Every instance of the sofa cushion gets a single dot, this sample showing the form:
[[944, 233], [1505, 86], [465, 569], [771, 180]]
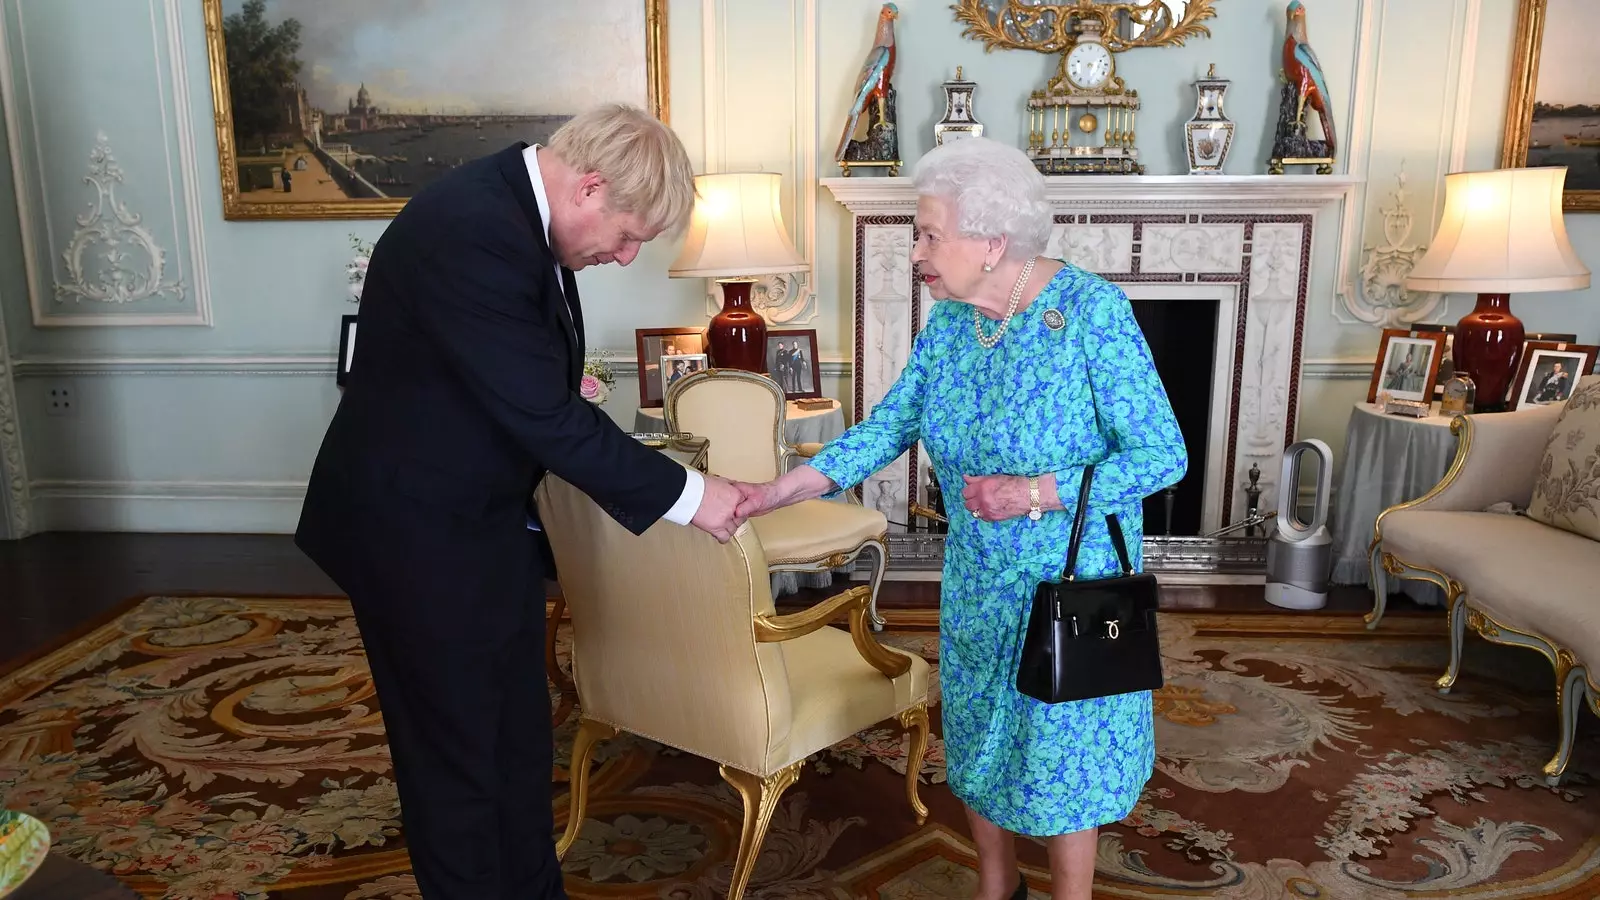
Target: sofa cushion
[[1525, 575], [1566, 494]]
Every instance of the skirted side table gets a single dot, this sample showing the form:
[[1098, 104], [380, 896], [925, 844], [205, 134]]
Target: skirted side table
[[1388, 459]]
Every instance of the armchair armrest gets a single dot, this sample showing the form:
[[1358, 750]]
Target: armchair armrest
[[775, 628], [1497, 461]]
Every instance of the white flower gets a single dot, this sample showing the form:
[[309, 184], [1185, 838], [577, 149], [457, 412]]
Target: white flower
[[355, 292]]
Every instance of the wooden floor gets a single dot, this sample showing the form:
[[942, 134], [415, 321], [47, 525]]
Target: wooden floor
[[53, 586]]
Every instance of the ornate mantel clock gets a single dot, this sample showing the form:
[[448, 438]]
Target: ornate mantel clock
[[1083, 120]]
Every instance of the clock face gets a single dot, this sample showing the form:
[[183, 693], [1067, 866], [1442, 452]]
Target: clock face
[[1089, 65]]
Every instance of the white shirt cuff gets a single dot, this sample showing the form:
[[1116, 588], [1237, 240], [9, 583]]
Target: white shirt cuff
[[694, 488]]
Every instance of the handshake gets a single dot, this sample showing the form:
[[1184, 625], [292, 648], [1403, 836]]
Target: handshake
[[726, 505]]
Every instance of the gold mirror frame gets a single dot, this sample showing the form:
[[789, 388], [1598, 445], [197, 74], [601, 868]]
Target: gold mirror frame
[[235, 208], [990, 27], [1519, 104]]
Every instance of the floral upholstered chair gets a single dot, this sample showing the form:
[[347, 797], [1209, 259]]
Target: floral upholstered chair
[[742, 414], [675, 639]]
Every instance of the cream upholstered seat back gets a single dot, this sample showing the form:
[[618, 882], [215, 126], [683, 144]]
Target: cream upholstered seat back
[[740, 412], [664, 644]]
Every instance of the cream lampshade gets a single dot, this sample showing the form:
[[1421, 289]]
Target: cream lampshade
[[1502, 231], [735, 234]]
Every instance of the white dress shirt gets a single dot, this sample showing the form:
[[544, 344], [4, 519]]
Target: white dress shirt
[[694, 486]]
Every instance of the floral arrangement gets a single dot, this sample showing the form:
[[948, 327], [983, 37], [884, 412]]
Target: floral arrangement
[[357, 269], [598, 379]]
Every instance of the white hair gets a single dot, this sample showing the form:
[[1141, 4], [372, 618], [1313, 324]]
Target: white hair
[[995, 190]]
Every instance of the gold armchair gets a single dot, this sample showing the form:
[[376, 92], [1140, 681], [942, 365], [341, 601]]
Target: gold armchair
[[742, 413], [675, 639]]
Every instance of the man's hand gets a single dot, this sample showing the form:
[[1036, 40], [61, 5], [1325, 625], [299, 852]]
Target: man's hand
[[996, 498], [719, 515], [758, 499]]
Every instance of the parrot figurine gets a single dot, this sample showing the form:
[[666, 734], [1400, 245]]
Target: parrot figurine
[[1301, 68], [872, 85]]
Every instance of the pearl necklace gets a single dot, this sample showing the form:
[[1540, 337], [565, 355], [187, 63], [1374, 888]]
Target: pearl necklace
[[1011, 309]]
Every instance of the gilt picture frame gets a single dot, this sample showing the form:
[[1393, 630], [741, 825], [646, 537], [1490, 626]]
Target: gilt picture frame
[[369, 122], [1549, 120]]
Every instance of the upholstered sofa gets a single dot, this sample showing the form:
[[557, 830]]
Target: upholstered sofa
[[1511, 533]]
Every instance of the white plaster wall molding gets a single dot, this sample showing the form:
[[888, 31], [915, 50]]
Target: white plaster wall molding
[[1367, 292], [114, 269], [14, 499], [785, 299], [1241, 242], [1383, 300], [112, 258]]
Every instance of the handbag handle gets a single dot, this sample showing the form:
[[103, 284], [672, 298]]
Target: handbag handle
[[1077, 522], [1113, 525]]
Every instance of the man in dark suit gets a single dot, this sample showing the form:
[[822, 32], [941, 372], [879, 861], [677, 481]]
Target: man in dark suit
[[462, 394]]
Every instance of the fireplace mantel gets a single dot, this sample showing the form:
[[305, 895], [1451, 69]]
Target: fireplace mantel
[[1241, 241], [1280, 193]]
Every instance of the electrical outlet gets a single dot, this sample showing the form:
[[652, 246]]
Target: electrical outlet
[[61, 399]]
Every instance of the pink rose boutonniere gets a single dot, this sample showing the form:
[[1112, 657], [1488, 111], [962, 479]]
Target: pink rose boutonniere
[[598, 378]]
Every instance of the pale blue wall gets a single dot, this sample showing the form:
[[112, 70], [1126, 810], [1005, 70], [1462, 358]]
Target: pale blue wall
[[213, 427]]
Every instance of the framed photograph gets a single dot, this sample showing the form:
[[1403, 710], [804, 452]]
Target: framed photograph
[[1407, 365], [1549, 371], [344, 110], [658, 346], [792, 362], [676, 365], [347, 349], [1553, 111]]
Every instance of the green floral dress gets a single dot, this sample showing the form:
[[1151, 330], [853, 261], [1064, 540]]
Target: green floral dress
[[1044, 399]]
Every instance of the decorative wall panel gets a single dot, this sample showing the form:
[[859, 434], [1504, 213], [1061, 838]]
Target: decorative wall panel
[[108, 195]]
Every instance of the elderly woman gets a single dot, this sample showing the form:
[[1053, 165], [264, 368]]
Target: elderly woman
[[1028, 371]]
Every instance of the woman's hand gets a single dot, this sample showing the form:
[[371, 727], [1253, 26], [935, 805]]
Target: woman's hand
[[799, 483], [996, 498]]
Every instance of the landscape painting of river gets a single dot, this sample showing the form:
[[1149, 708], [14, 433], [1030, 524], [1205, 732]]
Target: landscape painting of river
[[345, 109], [1553, 117]]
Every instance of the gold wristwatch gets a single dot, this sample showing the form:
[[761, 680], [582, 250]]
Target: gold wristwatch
[[1034, 510]]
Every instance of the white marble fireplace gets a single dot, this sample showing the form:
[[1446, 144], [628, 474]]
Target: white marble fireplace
[[1242, 242]]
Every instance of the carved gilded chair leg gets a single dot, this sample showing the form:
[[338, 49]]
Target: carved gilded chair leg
[[915, 720], [880, 557], [590, 733], [1570, 691], [760, 796], [1457, 617], [1379, 563]]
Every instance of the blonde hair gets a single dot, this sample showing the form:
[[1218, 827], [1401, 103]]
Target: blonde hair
[[644, 164]]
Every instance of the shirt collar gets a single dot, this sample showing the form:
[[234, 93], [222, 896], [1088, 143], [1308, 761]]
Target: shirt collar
[[530, 155]]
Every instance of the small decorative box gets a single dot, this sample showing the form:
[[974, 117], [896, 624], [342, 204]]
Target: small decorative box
[[1415, 408]]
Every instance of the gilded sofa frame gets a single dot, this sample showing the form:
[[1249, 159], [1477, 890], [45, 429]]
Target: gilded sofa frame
[[1573, 680]]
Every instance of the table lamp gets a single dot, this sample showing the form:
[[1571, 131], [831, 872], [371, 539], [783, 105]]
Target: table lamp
[[1502, 232], [735, 234]]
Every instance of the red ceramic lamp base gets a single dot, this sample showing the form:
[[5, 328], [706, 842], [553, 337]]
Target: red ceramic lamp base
[[1487, 343], [738, 334]]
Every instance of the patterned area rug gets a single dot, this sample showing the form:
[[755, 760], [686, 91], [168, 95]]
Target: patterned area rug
[[204, 747]]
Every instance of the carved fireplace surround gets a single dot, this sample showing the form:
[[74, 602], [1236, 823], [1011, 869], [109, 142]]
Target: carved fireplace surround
[[1244, 242]]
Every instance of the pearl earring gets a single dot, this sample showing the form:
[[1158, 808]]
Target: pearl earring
[[988, 268]]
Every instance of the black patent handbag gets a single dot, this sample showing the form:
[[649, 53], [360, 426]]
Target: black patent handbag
[[1091, 637]]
